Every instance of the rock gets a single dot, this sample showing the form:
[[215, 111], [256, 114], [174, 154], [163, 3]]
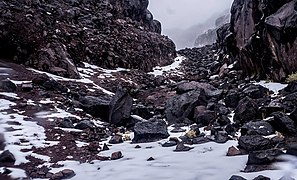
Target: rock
[[234, 177], [116, 155], [257, 128], [150, 131], [137, 147], [105, 147], [96, 106], [7, 86], [204, 117], [67, 123], [282, 123], [49, 84], [27, 87], [257, 168], [209, 90], [291, 87], [57, 176], [251, 42], [116, 139], [68, 173], [247, 110], [232, 99], [169, 144], [85, 124], [150, 159], [255, 91], [263, 157], [94, 146], [254, 142], [58, 49], [260, 177], [292, 149], [7, 156], [180, 107], [233, 151], [120, 107], [221, 137], [181, 147]]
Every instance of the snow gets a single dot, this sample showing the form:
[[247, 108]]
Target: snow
[[16, 173], [272, 86], [204, 162], [59, 113], [11, 95], [83, 80], [175, 65]]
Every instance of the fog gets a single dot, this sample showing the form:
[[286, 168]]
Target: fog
[[184, 13], [184, 16]]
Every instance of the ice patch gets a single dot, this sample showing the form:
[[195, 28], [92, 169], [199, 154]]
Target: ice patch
[[161, 70], [275, 87]]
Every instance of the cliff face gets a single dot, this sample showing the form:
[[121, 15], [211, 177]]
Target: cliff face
[[264, 37], [210, 36], [54, 35]]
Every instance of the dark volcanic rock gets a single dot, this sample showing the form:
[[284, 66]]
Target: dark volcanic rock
[[149, 131], [180, 107], [53, 36], [116, 139], [283, 123], [260, 177], [7, 156], [204, 118], [247, 110], [255, 91], [116, 155], [232, 98], [181, 147], [263, 156], [85, 124], [8, 86], [96, 106], [261, 33], [257, 128], [254, 142], [234, 177], [120, 107]]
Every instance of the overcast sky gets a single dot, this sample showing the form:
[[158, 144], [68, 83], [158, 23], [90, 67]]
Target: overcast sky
[[184, 13]]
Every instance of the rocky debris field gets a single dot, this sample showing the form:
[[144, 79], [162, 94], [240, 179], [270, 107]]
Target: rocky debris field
[[193, 119]]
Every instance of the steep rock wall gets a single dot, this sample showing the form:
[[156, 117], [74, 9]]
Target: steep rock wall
[[264, 37]]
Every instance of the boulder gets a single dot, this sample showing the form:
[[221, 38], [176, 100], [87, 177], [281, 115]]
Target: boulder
[[116, 139], [204, 117], [116, 155], [283, 123], [255, 91], [120, 107], [7, 86], [232, 98], [189, 86], [150, 131], [257, 128], [254, 142], [180, 107], [7, 157], [263, 156], [96, 106], [247, 110], [85, 124]]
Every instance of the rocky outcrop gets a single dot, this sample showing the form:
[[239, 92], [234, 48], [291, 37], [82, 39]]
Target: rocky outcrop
[[210, 36], [56, 35], [264, 37]]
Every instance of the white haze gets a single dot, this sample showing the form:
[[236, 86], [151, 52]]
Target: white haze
[[180, 18]]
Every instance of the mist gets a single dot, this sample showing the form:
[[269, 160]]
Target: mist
[[181, 18]]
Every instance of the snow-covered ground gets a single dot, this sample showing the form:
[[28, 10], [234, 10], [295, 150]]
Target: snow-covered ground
[[204, 162], [173, 68]]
